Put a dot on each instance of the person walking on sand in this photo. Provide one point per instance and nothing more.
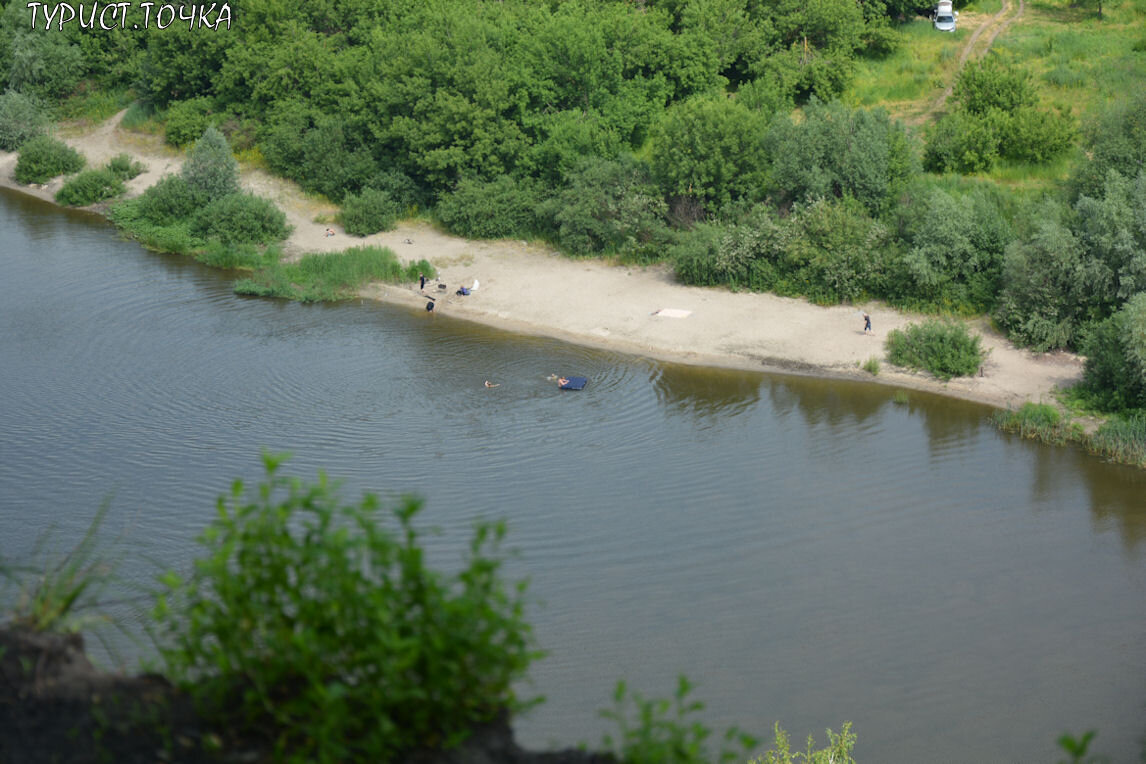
(867, 323)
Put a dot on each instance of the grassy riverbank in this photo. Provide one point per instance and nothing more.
(1121, 438)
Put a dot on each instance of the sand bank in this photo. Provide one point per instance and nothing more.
(532, 289)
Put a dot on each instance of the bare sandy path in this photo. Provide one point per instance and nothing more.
(529, 288)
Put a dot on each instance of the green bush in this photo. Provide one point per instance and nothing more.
(125, 168)
(240, 218)
(490, 209)
(1032, 135)
(833, 252)
(836, 151)
(990, 83)
(187, 120)
(43, 158)
(317, 623)
(171, 200)
(89, 187)
(608, 207)
(210, 168)
(943, 348)
(368, 212)
(20, 119)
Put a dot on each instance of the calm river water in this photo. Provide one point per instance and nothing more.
(806, 551)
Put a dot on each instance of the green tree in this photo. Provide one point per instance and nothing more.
(1112, 229)
(956, 252)
(1042, 302)
(834, 252)
(21, 118)
(44, 65)
(210, 168)
(609, 206)
(711, 149)
(491, 210)
(836, 151)
(1115, 140)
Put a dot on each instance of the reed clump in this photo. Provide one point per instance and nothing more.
(1040, 421)
(1122, 439)
(327, 277)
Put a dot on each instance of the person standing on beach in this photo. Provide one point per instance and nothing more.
(867, 323)
(421, 281)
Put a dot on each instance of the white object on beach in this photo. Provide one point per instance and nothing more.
(474, 288)
(673, 313)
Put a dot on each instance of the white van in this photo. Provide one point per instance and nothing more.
(943, 17)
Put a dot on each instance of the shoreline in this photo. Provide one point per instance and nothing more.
(532, 290)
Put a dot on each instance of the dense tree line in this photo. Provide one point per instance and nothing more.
(652, 129)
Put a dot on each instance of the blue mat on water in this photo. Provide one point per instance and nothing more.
(575, 383)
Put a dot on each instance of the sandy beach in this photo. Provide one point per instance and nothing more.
(531, 289)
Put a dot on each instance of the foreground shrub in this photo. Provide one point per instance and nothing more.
(317, 623)
(325, 277)
(89, 187)
(663, 730)
(1114, 377)
(43, 158)
(943, 348)
(369, 212)
(240, 218)
(20, 120)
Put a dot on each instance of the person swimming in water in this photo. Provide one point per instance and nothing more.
(492, 384)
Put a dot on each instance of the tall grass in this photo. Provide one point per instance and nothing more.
(1040, 421)
(61, 591)
(328, 277)
(1121, 439)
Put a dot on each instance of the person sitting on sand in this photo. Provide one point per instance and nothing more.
(491, 384)
(329, 232)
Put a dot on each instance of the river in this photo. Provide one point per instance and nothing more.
(806, 551)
